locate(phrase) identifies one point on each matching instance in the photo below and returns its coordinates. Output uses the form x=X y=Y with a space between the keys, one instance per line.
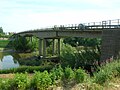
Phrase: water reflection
x=7 y=62
x=13 y=60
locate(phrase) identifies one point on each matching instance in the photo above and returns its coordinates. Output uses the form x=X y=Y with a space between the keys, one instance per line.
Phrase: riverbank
x=4 y=43
x=6 y=50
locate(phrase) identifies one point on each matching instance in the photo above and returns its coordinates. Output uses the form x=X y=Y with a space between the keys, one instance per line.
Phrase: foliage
x=68 y=55
x=80 y=75
x=29 y=69
x=41 y=81
x=23 y=44
x=56 y=73
x=78 y=57
x=21 y=81
x=69 y=74
x=101 y=77
x=1 y=30
x=107 y=72
x=4 y=43
x=5 y=84
x=75 y=41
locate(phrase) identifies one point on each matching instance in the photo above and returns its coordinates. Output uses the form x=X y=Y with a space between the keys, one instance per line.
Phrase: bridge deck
x=109 y=24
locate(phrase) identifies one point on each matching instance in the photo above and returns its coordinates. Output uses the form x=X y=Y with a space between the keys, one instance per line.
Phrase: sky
x=22 y=15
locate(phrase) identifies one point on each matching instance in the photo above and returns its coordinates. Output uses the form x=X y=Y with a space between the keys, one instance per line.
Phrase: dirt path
x=6 y=75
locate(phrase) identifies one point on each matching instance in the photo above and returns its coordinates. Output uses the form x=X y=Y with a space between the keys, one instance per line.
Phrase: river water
x=12 y=60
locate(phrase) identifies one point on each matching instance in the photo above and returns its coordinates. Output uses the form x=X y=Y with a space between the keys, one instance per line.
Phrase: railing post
x=103 y=24
x=109 y=23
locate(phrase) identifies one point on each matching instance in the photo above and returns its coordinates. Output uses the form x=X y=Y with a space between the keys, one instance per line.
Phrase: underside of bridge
x=42 y=47
x=110 y=48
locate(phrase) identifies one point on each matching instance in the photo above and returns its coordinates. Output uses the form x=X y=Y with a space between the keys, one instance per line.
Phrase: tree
x=23 y=44
x=1 y=30
x=89 y=42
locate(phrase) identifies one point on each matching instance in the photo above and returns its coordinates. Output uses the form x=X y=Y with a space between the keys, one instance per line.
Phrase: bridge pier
x=44 y=47
x=58 y=46
x=110 y=48
x=40 y=46
x=53 y=47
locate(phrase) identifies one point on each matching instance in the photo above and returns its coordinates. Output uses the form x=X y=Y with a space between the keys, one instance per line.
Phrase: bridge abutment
x=110 y=48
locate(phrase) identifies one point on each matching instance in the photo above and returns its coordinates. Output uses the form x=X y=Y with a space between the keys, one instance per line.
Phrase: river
x=13 y=60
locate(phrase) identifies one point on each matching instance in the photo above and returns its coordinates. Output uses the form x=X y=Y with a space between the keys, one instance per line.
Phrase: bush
x=5 y=84
x=68 y=56
x=41 y=80
x=107 y=72
x=29 y=69
x=101 y=77
x=56 y=73
x=4 y=43
x=80 y=75
x=21 y=81
x=69 y=74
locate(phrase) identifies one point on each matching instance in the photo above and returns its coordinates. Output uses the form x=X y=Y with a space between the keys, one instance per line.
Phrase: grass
x=29 y=69
x=4 y=43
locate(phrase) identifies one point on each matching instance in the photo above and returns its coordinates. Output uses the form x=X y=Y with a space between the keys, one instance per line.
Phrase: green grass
x=28 y=69
x=4 y=43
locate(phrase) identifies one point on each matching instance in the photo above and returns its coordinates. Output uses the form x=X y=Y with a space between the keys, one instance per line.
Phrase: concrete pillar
x=59 y=47
x=110 y=48
x=53 y=47
x=44 y=47
x=31 y=39
x=40 y=46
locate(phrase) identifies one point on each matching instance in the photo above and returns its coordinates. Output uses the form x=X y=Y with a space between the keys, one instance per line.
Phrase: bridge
x=108 y=30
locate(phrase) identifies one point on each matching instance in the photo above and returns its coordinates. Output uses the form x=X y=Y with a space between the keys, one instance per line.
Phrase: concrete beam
x=87 y=34
x=64 y=33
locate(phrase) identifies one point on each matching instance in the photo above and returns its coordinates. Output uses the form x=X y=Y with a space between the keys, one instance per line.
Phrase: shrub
x=68 y=55
x=21 y=81
x=107 y=72
x=29 y=69
x=69 y=74
x=80 y=75
x=5 y=84
x=101 y=77
x=41 y=80
x=56 y=73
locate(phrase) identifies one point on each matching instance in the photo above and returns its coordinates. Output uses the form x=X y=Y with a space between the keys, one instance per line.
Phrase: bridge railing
x=108 y=24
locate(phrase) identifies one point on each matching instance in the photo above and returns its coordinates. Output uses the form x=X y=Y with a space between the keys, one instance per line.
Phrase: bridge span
x=108 y=30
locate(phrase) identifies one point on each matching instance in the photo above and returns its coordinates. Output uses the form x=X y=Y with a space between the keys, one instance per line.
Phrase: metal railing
x=108 y=24
x=90 y=26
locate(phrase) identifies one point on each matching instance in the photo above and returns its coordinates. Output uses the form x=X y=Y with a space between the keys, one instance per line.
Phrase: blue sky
x=22 y=15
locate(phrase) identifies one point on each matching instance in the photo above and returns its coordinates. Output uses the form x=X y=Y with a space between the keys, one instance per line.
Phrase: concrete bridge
x=108 y=30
